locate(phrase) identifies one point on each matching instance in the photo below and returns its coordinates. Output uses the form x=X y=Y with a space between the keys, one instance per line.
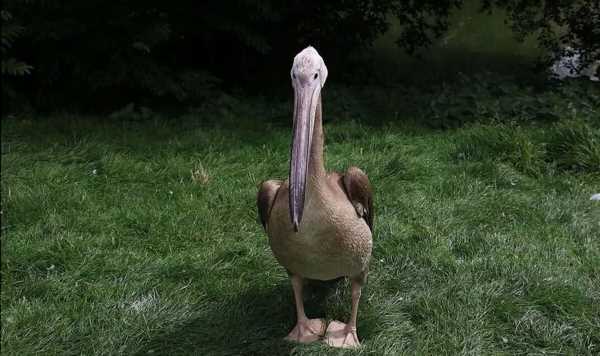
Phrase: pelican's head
x=308 y=69
x=308 y=77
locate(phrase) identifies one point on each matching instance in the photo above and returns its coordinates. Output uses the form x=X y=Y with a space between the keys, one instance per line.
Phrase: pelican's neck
x=316 y=166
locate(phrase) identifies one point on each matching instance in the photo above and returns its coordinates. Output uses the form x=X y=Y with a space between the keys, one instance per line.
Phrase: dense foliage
x=11 y=66
x=11 y=32
x=564 y=27
x=101 y=55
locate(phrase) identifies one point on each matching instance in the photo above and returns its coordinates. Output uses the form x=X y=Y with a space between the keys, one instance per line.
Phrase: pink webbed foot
x=306 y=331
x=339 y=334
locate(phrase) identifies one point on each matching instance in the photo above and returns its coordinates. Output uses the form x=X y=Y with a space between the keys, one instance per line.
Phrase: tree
x=562 y=27
x=96 y=53
x=11 y=31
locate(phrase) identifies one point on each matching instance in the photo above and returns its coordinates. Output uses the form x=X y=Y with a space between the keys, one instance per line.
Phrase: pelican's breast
x=332 y=241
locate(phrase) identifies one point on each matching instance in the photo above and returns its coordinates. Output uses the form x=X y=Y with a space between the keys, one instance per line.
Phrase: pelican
x=319 y=224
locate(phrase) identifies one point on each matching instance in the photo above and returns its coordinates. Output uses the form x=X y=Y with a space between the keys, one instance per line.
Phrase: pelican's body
x=333 y=241
x=319 y=225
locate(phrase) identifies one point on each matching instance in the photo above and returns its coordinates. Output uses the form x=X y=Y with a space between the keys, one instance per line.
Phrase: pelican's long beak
x=305 y=106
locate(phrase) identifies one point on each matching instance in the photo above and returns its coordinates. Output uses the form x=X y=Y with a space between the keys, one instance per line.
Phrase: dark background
x=97 y=56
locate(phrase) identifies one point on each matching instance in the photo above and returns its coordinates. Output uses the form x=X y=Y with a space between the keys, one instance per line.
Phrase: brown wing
x=265 y=198
x=358 y=189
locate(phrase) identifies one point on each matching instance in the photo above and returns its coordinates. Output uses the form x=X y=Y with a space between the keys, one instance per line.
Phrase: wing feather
x=359 y=191
x=265 y=198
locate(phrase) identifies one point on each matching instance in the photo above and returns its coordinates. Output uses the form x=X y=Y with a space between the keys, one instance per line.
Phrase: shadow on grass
x=251 y=323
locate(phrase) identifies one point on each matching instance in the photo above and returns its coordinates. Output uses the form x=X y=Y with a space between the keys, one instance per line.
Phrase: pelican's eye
x=293 y=76
x=316 y=75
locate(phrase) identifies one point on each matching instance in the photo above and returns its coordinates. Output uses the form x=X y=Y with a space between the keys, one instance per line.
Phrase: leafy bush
x=95 y=53
x=12 y=67
x=562 y=27
x=11 y=31
x=492 y=98
x=480 y=98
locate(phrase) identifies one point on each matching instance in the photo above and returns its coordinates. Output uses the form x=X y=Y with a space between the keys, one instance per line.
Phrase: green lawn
x=139 y=236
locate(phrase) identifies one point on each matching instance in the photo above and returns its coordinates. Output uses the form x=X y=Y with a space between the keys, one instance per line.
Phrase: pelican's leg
x=344 y=335
x=306 y=330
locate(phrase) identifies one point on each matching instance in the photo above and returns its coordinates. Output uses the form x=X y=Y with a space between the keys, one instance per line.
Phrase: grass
x=124 y=236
